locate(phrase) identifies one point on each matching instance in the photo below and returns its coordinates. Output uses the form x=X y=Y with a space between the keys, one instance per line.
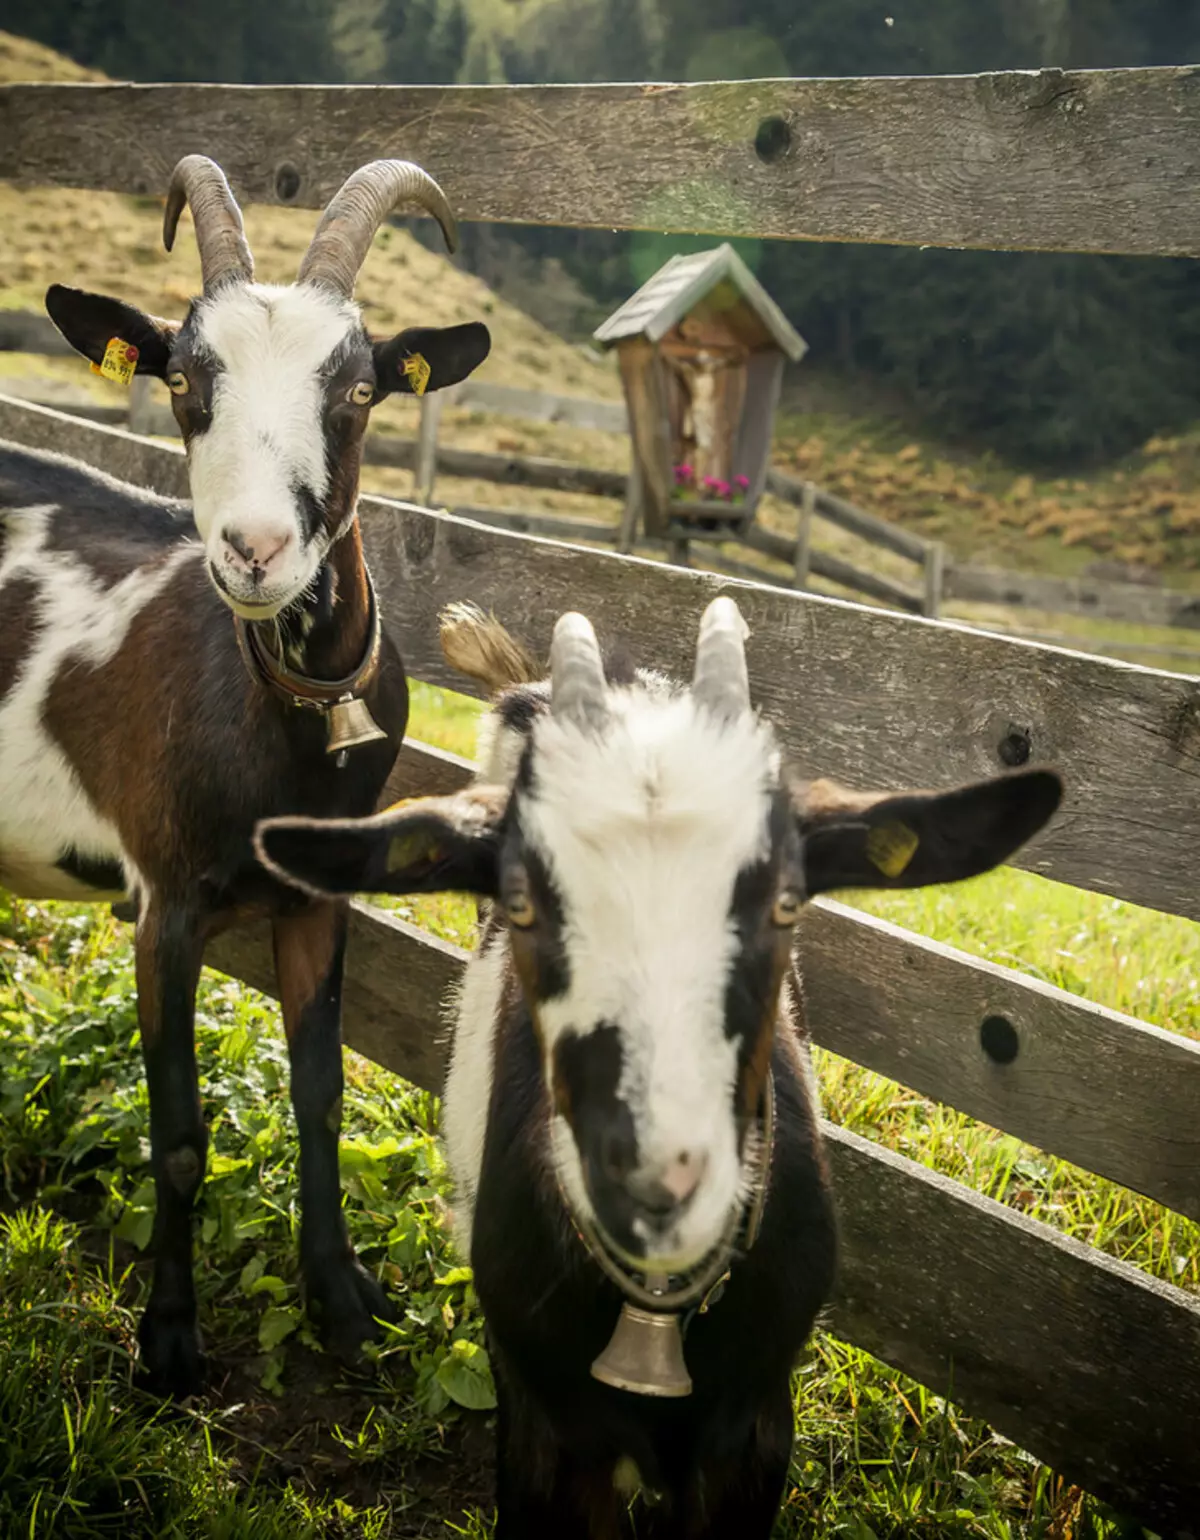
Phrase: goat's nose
x=661 y=1192
x=254 y=553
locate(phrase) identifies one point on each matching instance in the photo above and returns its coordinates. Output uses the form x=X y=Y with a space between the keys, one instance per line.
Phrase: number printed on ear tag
x=890 y=847
x=418 y=368
x=119 y=362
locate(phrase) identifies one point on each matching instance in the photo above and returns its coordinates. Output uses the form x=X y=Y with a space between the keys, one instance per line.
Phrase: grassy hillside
x=113 y=244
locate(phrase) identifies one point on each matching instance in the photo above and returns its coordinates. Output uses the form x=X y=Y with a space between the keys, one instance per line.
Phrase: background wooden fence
x=427 y=456
x=1086 y=1361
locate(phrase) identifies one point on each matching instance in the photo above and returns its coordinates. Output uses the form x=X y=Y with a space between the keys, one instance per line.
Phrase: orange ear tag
x=119 y=362
x=418 y=370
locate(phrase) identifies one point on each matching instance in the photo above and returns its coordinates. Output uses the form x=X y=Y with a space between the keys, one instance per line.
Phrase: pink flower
x=742 y=483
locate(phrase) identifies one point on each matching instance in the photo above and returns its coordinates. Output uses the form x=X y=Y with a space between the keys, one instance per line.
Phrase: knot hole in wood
x=773 y=140
x=998 y=1039
x=287 y=182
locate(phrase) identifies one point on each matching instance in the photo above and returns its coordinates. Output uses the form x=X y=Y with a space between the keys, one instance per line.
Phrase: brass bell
x=645 y=1354
x=351 y=723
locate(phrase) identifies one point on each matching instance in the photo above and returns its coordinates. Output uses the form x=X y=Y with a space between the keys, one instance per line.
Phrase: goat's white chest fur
x=44 y=809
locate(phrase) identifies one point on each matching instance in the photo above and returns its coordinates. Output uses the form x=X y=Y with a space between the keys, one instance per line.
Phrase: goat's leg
x=169 y=949
x=741 y=1495
x=310 y=950
x=541 y=1492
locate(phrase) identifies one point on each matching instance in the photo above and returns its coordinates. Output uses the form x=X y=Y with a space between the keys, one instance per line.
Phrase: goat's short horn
x=577 y=689
x=355 y=212
x=720 y=681
x=224 y=253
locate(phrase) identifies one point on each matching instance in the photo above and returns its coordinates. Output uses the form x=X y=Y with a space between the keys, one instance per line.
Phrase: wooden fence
x=1084 y=1360
x=426 y=456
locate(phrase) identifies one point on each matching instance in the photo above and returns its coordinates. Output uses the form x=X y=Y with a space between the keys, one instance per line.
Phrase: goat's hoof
x=348 y=1304
x=173 y=1364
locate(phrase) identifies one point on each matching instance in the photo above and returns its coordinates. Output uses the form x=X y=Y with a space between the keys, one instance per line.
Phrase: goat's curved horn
x=720 y=681
x=342 y=239
x=224 y=255
x=577 y=689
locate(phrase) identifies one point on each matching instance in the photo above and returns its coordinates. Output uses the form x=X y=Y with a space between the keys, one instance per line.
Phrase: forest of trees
x=1051 y=360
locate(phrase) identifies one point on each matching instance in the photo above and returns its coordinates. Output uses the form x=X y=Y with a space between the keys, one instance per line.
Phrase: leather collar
x=298 y=689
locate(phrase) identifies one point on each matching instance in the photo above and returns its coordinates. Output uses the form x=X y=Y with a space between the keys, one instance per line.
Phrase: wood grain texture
x=878 y=699
x=1087 y=1362
x=1098 y=1088
x=1047 y=160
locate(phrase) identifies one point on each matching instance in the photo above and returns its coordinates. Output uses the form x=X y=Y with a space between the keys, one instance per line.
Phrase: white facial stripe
x=468 y=1093
x=43 y=807
x=644 y=832
x=266 y=435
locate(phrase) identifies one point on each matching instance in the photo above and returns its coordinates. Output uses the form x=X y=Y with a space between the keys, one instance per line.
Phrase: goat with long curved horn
x=224 y=253
x=720 y=681
x=355 y=212
x=577 y=689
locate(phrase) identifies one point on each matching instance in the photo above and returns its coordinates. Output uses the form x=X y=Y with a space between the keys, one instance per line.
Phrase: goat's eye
x=520 y=910
x=786 y=910
x=361 y=394
x=177 y=383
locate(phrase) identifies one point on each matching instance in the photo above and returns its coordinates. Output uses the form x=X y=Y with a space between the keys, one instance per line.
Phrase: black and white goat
x=630 y=1111
x=159 y=695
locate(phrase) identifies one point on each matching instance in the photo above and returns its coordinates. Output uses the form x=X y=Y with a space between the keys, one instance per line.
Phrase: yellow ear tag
x=119 y=362
x=890 y=847
x=411 y=850
x=418 y=369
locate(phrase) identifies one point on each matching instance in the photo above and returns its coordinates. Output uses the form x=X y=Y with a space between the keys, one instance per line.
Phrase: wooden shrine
x=701 y=348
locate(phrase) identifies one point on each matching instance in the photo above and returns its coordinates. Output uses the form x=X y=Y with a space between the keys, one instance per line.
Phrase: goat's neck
x=325 y=635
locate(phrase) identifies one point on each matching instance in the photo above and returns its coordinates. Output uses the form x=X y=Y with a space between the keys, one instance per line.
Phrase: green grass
x=288 y=1445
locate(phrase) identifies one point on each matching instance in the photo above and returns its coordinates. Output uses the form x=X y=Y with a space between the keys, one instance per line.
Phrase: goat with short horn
x=631 y=1116
x=159 y=694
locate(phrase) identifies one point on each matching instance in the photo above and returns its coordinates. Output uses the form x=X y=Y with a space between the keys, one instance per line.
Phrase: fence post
x=808 y=507
x=935 y=562
x=427 y=437
x=627 y=534
x=140 y=404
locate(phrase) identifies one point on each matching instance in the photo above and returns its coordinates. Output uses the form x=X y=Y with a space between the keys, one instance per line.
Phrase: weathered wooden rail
x=1085 y=1360
x=1139 y=604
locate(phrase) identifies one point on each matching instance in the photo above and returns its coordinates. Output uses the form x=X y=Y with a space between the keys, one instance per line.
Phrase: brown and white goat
x=624 y=1032
x=159 y=695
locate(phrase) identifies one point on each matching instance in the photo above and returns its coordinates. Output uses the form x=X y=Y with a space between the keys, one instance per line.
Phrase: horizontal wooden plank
x=834 y=569
x=1089 y=1363
x=1098 y=1088
x=25 y=331
x=1138 y=603
x=539 y=406
x=1044 y=159
x=511 y=470
x=835 y=510
x=544 y=524
x=876 y=698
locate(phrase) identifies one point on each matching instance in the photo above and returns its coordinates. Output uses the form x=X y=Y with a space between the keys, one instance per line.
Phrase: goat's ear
x=426 y=358
x=89 y=322
x=852 y=840
x=429 y=845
